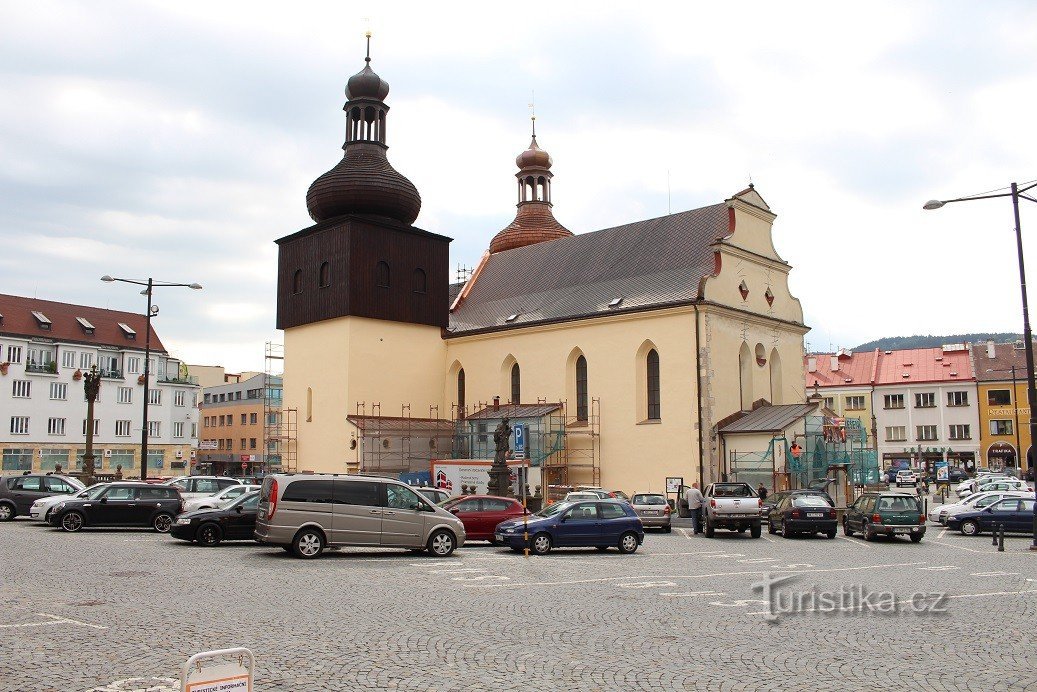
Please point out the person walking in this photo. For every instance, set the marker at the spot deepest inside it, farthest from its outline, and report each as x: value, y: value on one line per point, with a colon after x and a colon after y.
x: 761, y: 491
x: 694, y: 498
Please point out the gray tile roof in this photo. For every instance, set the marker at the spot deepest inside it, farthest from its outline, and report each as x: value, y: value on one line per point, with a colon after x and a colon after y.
x: 769, y: 418
x: 513, y: 411
x: 647, y: 263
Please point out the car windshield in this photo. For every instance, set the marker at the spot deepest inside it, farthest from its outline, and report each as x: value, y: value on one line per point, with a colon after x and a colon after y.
x: 649, y: 500
x: 94, y: 491
x: 580, y: 496
x: 249, y: 500
x: 732, y: 490
x: 554, y: 509
x: 810, y: 501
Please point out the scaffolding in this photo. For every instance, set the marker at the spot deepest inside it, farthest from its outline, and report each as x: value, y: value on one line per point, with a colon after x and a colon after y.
x: 830, y: 441
x: 402, y: 446
x: 279, y: 424
x: 579, y: 462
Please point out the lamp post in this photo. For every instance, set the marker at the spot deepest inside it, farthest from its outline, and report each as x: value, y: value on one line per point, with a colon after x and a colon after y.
x: 1016, y: 192
x: 149, y: 286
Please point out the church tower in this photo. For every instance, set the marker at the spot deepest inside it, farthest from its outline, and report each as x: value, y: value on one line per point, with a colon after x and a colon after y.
x: 362, y: 295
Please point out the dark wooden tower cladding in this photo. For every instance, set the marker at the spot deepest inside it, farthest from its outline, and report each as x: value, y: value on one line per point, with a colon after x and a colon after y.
x: 363, y: 257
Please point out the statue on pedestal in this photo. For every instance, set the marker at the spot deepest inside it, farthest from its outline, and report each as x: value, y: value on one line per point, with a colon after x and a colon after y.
x: 500, y: 477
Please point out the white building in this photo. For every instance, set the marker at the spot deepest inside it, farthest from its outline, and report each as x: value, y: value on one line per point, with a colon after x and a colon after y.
x: 45, y: 349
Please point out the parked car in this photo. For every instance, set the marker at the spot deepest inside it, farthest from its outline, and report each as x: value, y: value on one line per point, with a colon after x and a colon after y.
x: 733, y: 506
x: 802, y: 513
x: 969, y: 486
x: 17, y: 493
x: 975, y: 501
x: 956, y: 474
x: 434, y: 495
x: 906, y: 477
x: 600, y: 492
x: 578, y: 495
x: 599, y: 524
x: 121, y: 504
x: 891, y: 514
x: 192, y: 487
x: 820, y: 483
x: 1004, y: 484
x: 40, y: 510
x: 220, y: 499
x: 305, y: 513
x: 480, y: 514
x: 620, y: 495
x: 653, y: 510
x: 1014, y: 513
x: 235, y: 521
x: 769, y: 502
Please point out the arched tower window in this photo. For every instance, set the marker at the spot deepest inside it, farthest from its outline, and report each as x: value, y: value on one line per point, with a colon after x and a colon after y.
x: 381, y: 274
x: 516, y: 384
x: 745, y: 376
x: 460, y: 392
x: 775, y: 363
x: 581, y: 388
x: 652, y: 364
x: 324, y: 276
x: 420, y: 281
x: 297, y: 281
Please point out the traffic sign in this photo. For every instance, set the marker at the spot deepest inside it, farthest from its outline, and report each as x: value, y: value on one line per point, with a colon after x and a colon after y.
x: 520, y: 441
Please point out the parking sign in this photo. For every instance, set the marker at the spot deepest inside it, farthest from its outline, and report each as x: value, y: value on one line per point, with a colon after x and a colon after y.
x: 520, y: 441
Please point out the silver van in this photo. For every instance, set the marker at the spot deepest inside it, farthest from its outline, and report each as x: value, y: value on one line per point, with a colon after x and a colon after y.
x: 305, y: 513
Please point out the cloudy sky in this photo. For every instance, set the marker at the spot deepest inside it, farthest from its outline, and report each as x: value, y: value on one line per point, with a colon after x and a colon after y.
x: 177, y: 140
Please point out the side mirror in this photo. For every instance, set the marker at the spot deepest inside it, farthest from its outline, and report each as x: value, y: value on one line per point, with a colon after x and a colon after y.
x: 104, y: 500
x: 238, y: 509
x: 453, y: 510
x: 564, y: 518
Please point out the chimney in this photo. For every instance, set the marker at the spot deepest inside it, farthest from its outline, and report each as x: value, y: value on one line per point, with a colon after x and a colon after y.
x: 991, y: 352
x: 835, y: 363
x: 812, y: 364
x: 496, y: 403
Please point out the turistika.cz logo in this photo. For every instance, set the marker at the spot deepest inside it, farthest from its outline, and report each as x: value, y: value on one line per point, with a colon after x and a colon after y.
x: 846, y: 600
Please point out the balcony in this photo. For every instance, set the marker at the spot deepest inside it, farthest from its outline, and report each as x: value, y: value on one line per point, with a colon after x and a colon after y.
x: 111, y: 374
x: 176, y: 379
x: 50, y: 368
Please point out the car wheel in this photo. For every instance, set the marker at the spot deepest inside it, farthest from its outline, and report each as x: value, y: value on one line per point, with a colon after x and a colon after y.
x: 770, y: 528
x: 847, y: 531
x: 667, y: 529
x: 6, y: 512
x: 709, y: 529
x: 308, y: 544
x: 755, y: 530
x: 831, y: 534
x: 541, y: 544
x: 785, y: 531
x: 162, y: 522
x: 628, y: 543
x: 209, y: 534
x: 916, y: 537
x: 72, y: 522
x: 868, y: 535
x: 441, y: 543
x: 970, y: 528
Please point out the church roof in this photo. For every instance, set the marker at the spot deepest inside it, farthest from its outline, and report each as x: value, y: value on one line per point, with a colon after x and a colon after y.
x: 645, y: 264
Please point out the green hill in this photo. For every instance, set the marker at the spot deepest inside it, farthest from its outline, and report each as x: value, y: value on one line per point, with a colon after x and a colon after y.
x: 894, y: 343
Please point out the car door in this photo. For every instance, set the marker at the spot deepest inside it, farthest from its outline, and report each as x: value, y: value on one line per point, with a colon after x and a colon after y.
x: 495, y: 510
x: 1023, y: 521
x: 242, y: 524
x: 116, y: 507
x: 999, y: 514
x: 403, y: 520
x: 853, y: 513
x: 578, y: 526
x: 613, y: 522
x: 358, y: 510
x: 58, y: 486
x: 468, y: 511
x: 27, y: 490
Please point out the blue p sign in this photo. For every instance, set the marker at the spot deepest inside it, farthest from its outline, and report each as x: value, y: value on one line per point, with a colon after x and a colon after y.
x: 520, y: 440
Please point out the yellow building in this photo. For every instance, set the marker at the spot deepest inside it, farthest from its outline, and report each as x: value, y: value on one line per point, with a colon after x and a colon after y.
x: 1004, y: 415
x: 644, y: 334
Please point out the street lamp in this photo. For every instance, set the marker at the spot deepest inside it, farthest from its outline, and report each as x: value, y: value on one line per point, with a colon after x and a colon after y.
x: 1016, y: 193
x: 149, y: 285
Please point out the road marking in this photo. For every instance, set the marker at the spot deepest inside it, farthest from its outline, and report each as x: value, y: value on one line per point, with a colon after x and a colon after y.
x: 941, y: 568
x: 994, y: 574
x: 456, y: 570
x: 943, y: 533
x: 856, y: 542
x: 692, y: 593
x: 782, y: 570
x: 484, y: 577
x: 55, y: 620
x: 961, y: 547
x: 738, y: 604
x: 754, y: 560
x: 767, y: 538
x: 726, y: 555
x: 992, y: 593
x: 685, y: 532
x: 645, y: 584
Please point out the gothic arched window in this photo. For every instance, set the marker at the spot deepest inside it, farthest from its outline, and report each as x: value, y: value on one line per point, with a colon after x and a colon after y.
x: 652, y: 363
x: 381, y: 274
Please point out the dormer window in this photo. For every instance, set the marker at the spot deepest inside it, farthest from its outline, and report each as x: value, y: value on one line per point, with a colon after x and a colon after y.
x: 85, y: 324
x: 42, y: 320
x: 128, y: 331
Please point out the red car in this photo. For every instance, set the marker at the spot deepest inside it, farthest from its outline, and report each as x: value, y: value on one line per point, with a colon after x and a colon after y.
x: 480, y: 514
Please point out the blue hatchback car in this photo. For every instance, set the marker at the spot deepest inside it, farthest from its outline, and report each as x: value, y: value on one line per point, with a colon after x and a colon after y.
x: 1014, y: 513
x: 599, y: 524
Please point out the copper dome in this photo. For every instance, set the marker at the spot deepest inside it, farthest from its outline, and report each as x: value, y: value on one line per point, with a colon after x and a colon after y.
x: 363, y: 182
x: 534, y: 157
x: 534, y: 223
x: 367, y: 84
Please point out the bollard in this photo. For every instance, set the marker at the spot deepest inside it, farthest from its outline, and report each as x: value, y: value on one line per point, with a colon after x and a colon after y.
x: 993, y: 535
x: 1001, y: 539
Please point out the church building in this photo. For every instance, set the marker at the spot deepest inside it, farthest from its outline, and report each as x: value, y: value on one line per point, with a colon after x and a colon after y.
x: 619, y: 351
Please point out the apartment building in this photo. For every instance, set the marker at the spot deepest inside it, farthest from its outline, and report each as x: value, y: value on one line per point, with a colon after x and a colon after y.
x: 240, y: 427
x: 46, y: 348
x: 844, y: 381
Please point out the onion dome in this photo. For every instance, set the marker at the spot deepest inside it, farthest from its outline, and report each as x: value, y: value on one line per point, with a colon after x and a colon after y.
x: 364, y: 182
x: 534, y: 222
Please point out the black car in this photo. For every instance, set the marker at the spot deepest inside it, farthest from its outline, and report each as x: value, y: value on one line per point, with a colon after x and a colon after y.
x: 121, y: 504
x: 235, y: 522
x: 803, y: 513
x: 17, y: 493
x: 774, y: 498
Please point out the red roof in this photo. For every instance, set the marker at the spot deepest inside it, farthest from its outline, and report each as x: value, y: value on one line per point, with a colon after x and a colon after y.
x: 877, y: 368
x: 18, y: 320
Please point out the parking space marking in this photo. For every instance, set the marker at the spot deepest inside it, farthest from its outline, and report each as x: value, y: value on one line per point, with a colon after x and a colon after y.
x: 962, y: 547
x: 685, y: 533
x: 692, y: 593
x: 54, y: 620
x: 754, y: 560
x: 482, y: 577
x: 778, y: 570
x: 856, y: 542
x: 941, y: 568
x: 943, y: 533
x: 645, y: 584
x: 994, y: 574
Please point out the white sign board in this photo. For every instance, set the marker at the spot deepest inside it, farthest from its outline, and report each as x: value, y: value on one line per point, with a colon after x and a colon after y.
x: 207, y: 444
x: 234, y: 675
x: 673, y: 484
x: 450, y: 475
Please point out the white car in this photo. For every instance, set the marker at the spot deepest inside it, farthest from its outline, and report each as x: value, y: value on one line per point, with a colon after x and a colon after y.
x: 906, y: 477
x: 41, y: 507
x: 192, y: 487
x: 970, y: 485
x: 998, y: 484
x: 940, y: 513
x: 220, y: 499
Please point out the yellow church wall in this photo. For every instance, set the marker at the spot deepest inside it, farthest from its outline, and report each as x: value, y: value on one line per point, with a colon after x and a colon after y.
x: 635, y: 455
x: 333, y: 364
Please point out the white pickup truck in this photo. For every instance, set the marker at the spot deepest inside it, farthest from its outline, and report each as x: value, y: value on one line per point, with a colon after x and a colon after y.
x: 732, y: 506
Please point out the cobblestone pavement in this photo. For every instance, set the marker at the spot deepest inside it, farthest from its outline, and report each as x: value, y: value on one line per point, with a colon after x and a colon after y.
x: 122, y: 610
